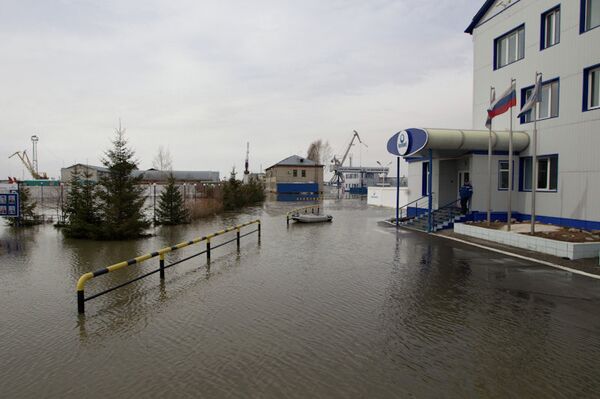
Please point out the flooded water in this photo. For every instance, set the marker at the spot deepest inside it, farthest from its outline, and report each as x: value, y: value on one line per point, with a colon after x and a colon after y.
x: 346, y: 309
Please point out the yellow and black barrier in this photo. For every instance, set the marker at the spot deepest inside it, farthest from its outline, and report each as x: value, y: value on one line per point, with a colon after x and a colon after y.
x: 303, y: 209
x: 81, y: 299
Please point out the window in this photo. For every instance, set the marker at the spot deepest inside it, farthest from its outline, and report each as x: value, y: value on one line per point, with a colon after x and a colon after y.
x: 547, y: 177
x: 303, y: 172
x: 548, y: 106
x: 295, y: 173
x: 590, y: 14
x: 550, y: 28
x: 509, y: 48
x: 503, y: 175
x: 591, y: 88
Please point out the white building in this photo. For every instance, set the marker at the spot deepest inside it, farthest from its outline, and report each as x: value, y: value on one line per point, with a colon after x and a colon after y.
x: 358, y: 178
x: 513, y: 40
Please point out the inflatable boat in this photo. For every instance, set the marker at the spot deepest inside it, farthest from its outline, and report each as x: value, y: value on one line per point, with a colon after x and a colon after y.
x: 311, y: 218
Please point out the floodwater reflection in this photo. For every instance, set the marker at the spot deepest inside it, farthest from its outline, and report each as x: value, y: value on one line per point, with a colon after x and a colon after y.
x: 343, y: 309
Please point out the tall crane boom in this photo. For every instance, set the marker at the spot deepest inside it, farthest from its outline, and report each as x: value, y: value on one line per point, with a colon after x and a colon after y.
x: 28, y: 165
x: 337, y: 175
x: 355, y: 136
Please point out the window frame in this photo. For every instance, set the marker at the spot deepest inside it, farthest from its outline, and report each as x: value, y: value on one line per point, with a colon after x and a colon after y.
x: 524, y: 99
x: 583, y: 17
x: 543, y: 25
x: 522, y: 175
x: 294, y: 172
x: 517, y: 42
x: 587, y: 86
x: 303, y: 172
x: 500, y: 171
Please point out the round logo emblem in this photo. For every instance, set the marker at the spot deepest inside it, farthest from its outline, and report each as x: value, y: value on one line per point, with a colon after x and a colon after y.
x: 402, y: 142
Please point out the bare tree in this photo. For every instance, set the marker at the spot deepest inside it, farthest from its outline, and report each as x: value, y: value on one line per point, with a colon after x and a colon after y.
x: 162, y: 161
x: 319, y: 151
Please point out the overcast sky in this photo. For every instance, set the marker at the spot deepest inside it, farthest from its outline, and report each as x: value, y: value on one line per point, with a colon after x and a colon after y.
x: 204, y: 77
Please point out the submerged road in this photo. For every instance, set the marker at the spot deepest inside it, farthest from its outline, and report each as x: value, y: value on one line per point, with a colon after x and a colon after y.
x: 346, y: 309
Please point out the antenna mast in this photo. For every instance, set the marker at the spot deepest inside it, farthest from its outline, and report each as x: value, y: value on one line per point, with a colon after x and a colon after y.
x: 34, y: 141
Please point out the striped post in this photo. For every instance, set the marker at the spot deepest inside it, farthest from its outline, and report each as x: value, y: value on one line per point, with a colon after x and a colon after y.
x: 208, y: 248
x: 162, y: 266
x: 238, y: 238
x: 80, y: 302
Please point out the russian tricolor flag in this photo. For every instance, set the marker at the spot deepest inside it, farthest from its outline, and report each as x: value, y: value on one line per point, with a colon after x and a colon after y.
x: 507, y: 100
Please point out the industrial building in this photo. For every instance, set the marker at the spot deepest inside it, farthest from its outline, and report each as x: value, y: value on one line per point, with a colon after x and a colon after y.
x: 148, y: 176
x: 514, y: 40
x: 358, y: 178
x: 295, y: 178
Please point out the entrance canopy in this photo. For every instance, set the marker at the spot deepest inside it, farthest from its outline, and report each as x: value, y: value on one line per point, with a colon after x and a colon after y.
x: 416, y: 142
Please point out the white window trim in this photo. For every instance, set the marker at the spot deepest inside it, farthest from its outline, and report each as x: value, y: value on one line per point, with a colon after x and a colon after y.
x: 587, y: 20
x: 548, y: 175
x: 500, y: 171
x: 555, y: 33
x: 590, y: 87
x: 517, y: 32
x: 547, y: 86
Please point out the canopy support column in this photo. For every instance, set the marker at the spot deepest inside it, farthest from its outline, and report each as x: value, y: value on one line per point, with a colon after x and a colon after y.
x: 429, y: 186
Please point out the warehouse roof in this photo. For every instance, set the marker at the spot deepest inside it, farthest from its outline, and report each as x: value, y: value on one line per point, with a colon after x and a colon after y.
x: 157, y: 175
x: 296, y: 160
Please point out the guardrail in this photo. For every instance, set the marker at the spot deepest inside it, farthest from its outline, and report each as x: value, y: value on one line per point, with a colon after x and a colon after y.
x: 81, y: 299
x: 296, y: 211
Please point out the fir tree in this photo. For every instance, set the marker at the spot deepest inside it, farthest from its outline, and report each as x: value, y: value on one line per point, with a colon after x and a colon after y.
x: 26, y: 209
x: 171, y: 207
x: 237, y: 195
x: 120, y: 195
x: 81, y: 208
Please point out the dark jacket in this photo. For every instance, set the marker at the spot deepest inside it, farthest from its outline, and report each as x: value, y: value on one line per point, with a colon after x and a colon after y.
x: 466, y: 191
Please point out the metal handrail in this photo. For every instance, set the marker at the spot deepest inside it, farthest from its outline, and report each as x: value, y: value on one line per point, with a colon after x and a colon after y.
x: 161, y: 253
x: 448, y: 205
x: 405, y: 206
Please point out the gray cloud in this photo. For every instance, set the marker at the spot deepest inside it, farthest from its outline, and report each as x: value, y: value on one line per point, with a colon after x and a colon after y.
x: 205, y: 77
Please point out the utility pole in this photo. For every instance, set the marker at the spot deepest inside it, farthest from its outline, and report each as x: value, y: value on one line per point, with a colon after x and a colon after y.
x: 34, y: 141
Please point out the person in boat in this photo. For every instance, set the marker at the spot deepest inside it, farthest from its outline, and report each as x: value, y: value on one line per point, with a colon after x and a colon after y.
x: 466, y: 192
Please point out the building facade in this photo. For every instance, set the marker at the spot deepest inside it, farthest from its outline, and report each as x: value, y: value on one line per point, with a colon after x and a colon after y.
x: 294, y: 177
x: 514, y: 39
x: 358, y: 178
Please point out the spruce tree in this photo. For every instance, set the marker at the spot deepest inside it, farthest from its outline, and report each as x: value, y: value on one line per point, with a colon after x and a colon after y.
x: 237, y: 195
x: 171, y: 207
x: 81, y: 208
x: 120, y: 196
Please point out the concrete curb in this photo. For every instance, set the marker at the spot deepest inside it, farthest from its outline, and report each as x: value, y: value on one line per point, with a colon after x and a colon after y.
x: 568, y: 269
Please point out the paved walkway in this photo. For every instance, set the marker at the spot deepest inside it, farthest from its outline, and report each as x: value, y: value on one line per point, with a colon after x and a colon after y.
x: 588, y: 265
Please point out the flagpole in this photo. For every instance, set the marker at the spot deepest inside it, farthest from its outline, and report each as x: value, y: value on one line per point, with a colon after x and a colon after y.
x: 534, y: 167
x: 510, y: 166
x: 489, y: 199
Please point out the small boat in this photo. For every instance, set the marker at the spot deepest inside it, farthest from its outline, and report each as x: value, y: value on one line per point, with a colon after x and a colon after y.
x: 311, y: 218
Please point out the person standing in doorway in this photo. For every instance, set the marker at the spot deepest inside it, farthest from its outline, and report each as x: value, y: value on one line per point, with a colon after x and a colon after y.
x: 466, y: 192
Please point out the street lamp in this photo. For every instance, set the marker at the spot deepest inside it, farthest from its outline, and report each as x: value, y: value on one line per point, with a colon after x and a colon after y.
x: 384, y: 173
x: 154, y: 202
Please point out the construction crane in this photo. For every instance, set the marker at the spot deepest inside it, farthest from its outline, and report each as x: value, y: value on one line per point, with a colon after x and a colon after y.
x: 25, y: 159
x: 338, y: 176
